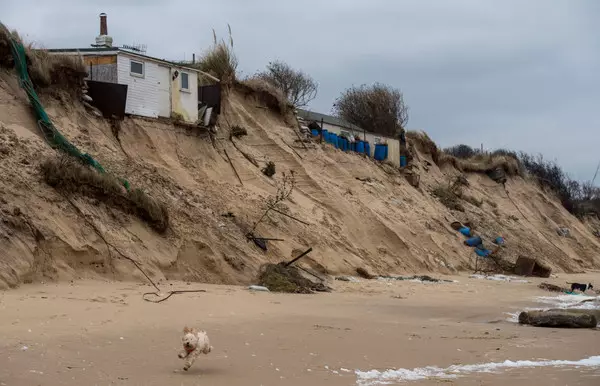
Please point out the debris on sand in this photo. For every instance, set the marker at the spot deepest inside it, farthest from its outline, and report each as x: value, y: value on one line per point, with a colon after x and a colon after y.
x: 419, y: 278
x: 282, y: 278
x: 552, y: 287
x: 258, y: 288
x: 362, y: 272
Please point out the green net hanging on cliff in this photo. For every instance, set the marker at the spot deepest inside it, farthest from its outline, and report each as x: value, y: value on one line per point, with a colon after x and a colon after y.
x: 51, y: 134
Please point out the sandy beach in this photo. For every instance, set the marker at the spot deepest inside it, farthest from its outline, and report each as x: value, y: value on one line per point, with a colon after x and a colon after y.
x: 103, y: 333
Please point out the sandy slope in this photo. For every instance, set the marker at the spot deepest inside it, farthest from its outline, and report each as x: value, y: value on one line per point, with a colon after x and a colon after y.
x: 384, y: 224
x: 103, y: 333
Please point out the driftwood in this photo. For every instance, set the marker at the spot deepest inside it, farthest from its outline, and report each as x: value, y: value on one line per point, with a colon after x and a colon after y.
x: 299, y: 257
x: 552, y: 287
x: 560, y: 318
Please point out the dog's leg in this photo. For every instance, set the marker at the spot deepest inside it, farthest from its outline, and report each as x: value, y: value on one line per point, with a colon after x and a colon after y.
x: 182, y: 354
x: 190, y: 360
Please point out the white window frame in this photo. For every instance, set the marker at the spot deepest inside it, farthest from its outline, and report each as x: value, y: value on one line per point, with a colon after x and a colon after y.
x: 136, y: 74
x: 186, y: 89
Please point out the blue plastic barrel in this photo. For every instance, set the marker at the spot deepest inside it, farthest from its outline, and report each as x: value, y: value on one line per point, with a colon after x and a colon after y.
x: 368, y: 149
x: 346, y: 145
x: 315, y: 132
x: 325, y: 135
x: 403, y: 161
x: 359, y: 147
x: 334, y: 140
x: 380, y: 152
x: 473, y: 241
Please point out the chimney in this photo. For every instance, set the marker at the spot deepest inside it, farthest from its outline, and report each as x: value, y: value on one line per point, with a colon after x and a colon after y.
x: 103, y: 40
x: 103, y: 25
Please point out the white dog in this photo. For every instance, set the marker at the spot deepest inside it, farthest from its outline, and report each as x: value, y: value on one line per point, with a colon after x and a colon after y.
x: 194, y: 343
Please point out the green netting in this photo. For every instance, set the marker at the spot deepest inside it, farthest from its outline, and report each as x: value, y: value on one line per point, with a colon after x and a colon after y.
x: 52, y: 135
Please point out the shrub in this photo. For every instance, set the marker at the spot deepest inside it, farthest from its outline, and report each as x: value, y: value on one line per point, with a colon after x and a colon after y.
x: 269, y: 169
x: 298, y: 87
x: 238, y: 131
x: 69, y: 176
x: 462, y: 151
x: 448, y: 197
x: 378, y: 108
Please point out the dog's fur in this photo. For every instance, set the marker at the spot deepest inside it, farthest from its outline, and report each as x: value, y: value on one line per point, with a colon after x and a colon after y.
x: 195, y: 342
x: 580, y: 287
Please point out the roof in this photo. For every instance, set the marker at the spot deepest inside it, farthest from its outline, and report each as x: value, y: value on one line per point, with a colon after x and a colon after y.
x: 313, y: 116
x: 117, y: 50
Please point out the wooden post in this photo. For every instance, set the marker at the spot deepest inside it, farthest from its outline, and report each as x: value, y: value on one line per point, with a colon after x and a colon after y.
x: 233, y: 167
x: 299, y: 257
x: 321, y: 141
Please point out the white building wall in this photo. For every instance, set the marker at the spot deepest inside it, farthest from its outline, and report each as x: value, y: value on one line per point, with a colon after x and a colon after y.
x: 185, y: 102
x: 142, y: 95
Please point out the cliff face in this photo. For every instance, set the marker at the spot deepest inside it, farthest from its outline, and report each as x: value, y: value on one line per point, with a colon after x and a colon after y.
x: 377, y: 221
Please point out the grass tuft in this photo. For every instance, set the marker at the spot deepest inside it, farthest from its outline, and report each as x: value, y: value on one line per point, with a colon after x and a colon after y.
x: 69, y: 176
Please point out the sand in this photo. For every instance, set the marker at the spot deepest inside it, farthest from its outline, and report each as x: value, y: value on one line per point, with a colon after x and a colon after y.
x: 383, y: 224
x: 103, y: 333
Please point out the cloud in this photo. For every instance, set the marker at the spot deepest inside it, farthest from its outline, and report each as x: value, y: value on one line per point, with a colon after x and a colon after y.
x: 513, y: 74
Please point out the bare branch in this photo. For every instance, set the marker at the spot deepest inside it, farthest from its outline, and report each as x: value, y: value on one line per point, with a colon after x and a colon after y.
x: 298, y: 86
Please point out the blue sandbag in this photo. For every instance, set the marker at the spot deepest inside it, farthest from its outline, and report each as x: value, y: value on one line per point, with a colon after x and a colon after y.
x: 499, y: 240
x: 482, y: 252
x: 465, y: 231
x: 474, y: 241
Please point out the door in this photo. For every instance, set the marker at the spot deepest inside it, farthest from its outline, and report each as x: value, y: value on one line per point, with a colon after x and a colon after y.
x: 164, y: 91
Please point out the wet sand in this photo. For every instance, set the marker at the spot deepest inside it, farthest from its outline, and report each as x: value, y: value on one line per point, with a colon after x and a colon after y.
x: 97, y: 333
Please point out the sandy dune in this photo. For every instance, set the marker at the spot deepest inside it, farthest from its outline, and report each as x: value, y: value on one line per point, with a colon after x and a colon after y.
x: 103, y: 333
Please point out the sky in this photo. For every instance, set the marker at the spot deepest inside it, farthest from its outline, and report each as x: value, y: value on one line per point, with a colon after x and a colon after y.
x: 517, y: 74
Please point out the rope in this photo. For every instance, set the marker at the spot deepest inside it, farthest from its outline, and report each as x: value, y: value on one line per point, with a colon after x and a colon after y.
x: 170, y: 293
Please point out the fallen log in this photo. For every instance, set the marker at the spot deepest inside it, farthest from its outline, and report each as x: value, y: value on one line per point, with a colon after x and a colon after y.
x: 552, y: 287
x: 559, y: 318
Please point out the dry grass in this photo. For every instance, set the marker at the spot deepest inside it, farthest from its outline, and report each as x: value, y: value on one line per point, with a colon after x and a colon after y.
x: 60, y: 71
x: 70, y: 176
x: 279, y: 278
x: 220, y: 60
x: 266, y: 93
x: 483, y: 164
x: 424, y: 143
x: 448, y: 197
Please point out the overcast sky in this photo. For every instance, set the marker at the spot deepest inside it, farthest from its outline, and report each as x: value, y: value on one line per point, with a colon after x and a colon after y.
x: 518, y: 74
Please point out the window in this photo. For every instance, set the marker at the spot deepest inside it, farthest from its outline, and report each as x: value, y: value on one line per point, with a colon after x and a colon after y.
x: 185, y: 81
x: 137, y: 68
